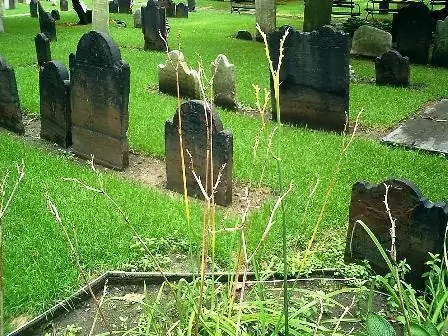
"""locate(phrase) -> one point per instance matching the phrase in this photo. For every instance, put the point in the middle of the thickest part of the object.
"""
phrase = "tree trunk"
(317, 14)
(265, 16)
(100, 18)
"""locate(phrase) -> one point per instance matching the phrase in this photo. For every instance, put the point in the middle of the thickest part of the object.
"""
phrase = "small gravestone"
(170, 7)
(55, 14)
(440, 51)
(181, 11)
(137, 18)
(191, 5)
(33, 9)
(224, 88)
(43, 50)
(419, 226)
(244, 35)
(370, 41)
(55, 113)
(113, 6)
(124, 6)
(198, 120)
(314, 77)
(63, 5)
(154, 27)
(188, 79)
(413, 29)
(47, 23)
(10, 113)
(392, 69)
(99, 101)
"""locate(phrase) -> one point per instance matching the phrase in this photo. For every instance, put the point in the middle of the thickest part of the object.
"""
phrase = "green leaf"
(417, 330)
(378, 326)
(431, 328)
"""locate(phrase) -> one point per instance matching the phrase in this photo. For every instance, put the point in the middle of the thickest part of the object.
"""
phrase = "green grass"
(38, 269)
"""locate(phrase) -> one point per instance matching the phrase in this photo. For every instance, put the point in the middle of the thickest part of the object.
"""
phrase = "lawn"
(39, 270)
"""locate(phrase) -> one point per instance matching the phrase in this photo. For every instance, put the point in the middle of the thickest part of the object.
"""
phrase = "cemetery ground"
(38, 270)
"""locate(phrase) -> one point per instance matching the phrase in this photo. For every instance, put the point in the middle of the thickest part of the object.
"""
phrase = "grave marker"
(47, 23)
(137, 18)
(392, 69)
(124, 6)
(195, 115)
(99, 101)
(63, 5)
(440, 51)
(181, 11)
(43, 50)
(154, 27)
(224, 88)
(170, 7)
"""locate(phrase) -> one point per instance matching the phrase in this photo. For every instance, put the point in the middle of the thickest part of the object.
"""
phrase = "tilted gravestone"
(55, 14)
(413, 32)
(33, 9)
(244, 35)
(314, 77)
(63, 5)
(10, 113)
(47, 23)
(113, 6)
(419, 226)
(137, 16)
(440, 50)
(170, 7)
(181, 11)
(175, 72)
(43, 51)
(99, 101)
(197, 117)
(224, 87)
(124, 6)
(392, 69)
(370, 41)
(154, 27)
(55, 115)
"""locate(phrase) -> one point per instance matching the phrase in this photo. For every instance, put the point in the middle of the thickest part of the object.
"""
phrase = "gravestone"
(55, 14)
(181, 11)
(124, 6)
(370, 41)
(137, 18)
(170, 7)
(413, 29)
(33, 9)
(55, 116)
(99, 101)
(191, 5)
(63, 5)
(392, 69)
(188, 79)
(314, 77)
(419, 226)
(316, 14)
(244, 35)
(224, 88)
(47, 23)
(197, 117)
(43, 50)
(154, 27)
(10, 113)
(113, 6)
(265, 17)
(440, 50)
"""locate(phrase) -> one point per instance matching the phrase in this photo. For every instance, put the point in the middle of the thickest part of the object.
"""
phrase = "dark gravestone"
(33, 9)
(10, 113)
(196, 115)
(170, 7)
(419, 226)
(244, 35)
(43, 50)
(12, 4)
(82, 16)
(113, 6)
(192, 5)
(181, 11)
(392, 69)
(99, 101)
(124, 6)
(413, 30)
(46, 23)
(154, 27)
(55, 113)
(55, 14)
(314, 77)
(63, 5)
(440, 50)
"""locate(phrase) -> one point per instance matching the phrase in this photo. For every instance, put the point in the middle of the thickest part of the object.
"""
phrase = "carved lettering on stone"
(137, 18)
(47, 23)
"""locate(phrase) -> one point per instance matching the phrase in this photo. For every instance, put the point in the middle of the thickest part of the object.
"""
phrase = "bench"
(348, 8)
(241, 5)
(384, 6)
(433, 3)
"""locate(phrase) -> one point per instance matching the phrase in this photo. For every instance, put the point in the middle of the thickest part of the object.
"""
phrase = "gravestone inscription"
(99, 101)
(43, 50)
(197, 117)
(154, 27)
(392, 69)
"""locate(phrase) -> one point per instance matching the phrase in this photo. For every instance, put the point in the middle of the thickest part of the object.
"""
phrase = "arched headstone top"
(57, 68)
(222, 60)
(98, 48)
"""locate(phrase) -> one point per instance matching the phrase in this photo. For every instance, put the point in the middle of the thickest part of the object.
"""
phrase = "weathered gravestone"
(47, 23)
(124, 6)
(370, 41)
(63, 5)
(113, 6)
(43, 51)
(137, 18)
(55, 115)
(175, 72)
(99, 101)
(170, 7)
(224, 88)
(33, 8)
(197, 117)
(419, 226)
(392, 69)
(10, 113)
(314, 77)
(154, 27)
(244, 35)
(440, 50)
(181, 11)
(413, 30)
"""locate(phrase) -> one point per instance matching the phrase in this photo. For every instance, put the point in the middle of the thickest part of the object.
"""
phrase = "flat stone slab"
(427, 131)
